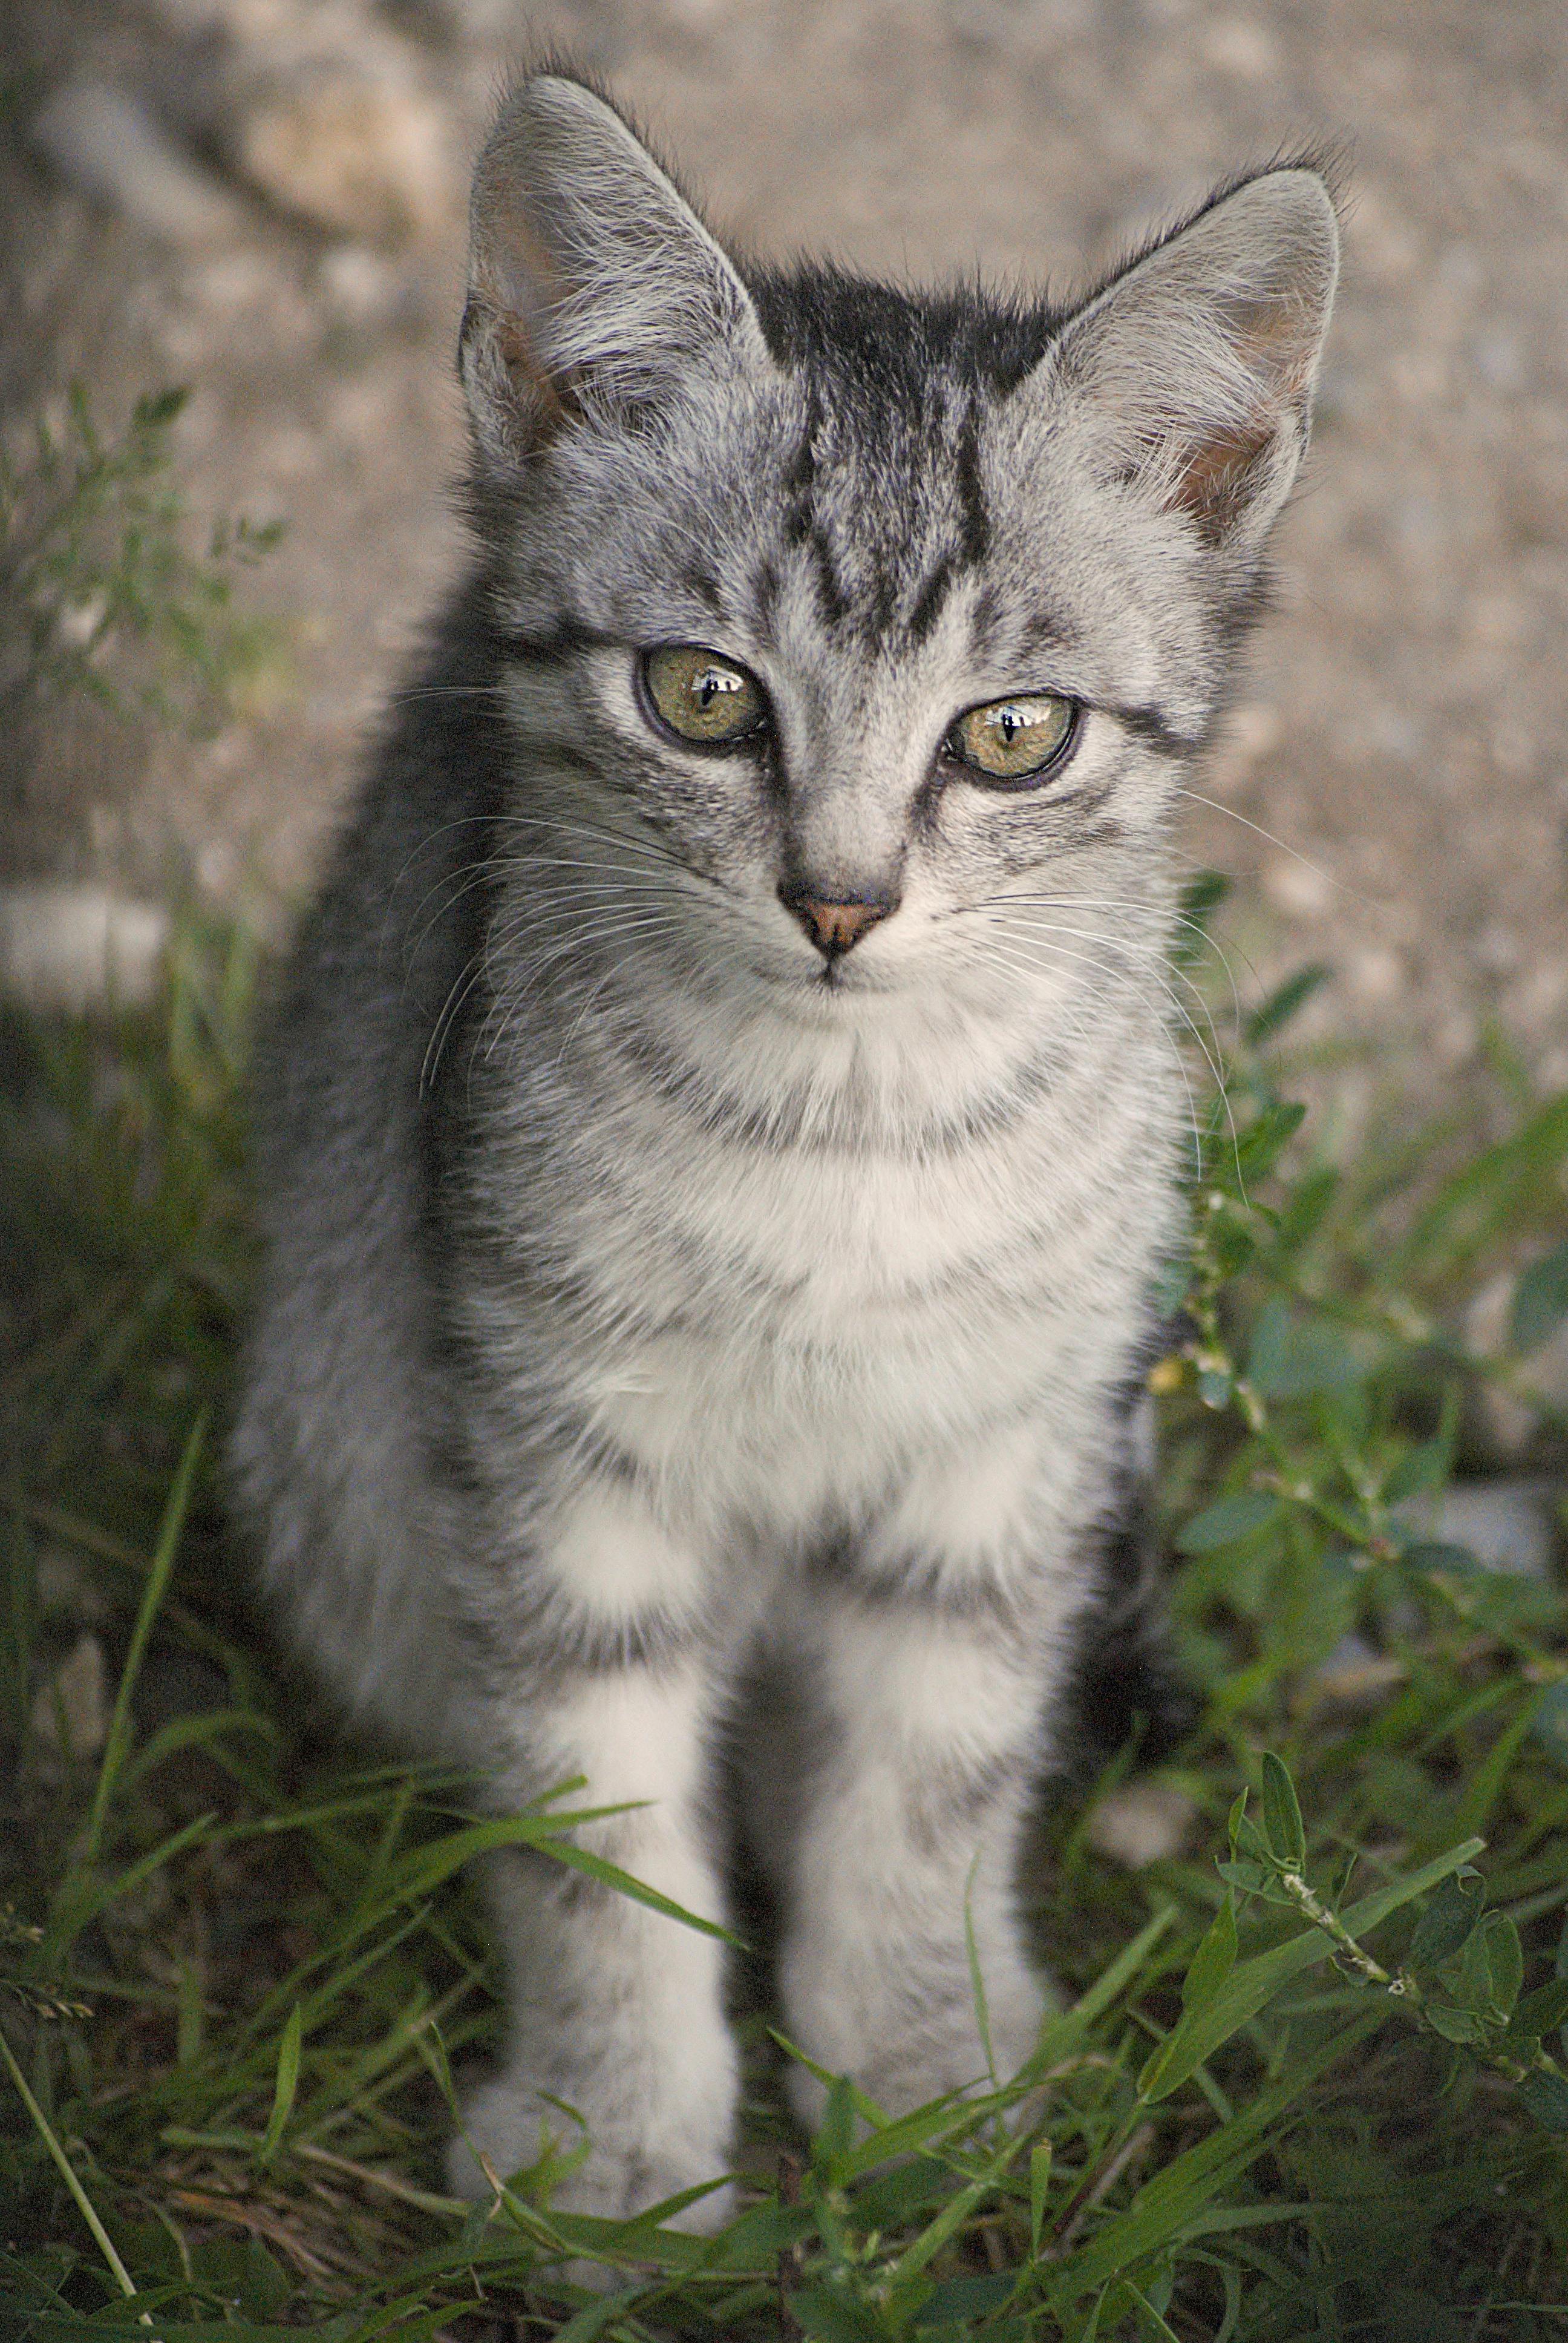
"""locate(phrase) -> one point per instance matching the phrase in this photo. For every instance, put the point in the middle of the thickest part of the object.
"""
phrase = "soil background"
(1403, 733)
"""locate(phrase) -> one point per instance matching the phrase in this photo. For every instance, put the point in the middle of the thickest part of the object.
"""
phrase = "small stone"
(361, 287)
(1298, 889)
(103, 142)
(349, 143)
(70, 1713)
(1354, 1675)
(1141, 1823)
(75, 948)
(1237, 47)
(1507, 1525)
(65, 1585)
(1376, 973)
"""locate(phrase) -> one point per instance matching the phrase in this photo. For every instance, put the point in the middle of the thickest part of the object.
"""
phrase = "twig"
(789, 2256)
(1098, 2184)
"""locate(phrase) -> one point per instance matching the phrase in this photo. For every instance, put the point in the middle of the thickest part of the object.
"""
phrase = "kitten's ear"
(1195, 368)
(591, 280)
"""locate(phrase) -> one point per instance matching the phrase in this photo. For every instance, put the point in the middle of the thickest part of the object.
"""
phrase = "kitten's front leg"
(923, 1680)
(614, 2010)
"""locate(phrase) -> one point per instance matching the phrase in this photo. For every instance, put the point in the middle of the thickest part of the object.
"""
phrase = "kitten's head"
(867, 619)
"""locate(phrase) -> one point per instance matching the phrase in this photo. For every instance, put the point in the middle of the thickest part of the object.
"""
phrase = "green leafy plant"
(1305, 2079)
(99, 595)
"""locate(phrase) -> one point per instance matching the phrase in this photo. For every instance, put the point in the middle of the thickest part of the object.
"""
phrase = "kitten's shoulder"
(377, 953)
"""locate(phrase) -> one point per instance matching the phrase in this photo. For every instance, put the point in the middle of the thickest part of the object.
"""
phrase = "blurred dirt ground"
(1404, 726)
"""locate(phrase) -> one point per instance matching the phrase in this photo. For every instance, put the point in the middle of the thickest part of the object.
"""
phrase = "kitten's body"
(650, 1288)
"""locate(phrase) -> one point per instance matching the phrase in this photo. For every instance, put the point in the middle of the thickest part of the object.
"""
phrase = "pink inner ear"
(528, 376)
(1217, 476)
(1213, 482)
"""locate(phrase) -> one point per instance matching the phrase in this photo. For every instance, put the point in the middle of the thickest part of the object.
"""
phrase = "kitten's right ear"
(592, 283)
(1194, 370)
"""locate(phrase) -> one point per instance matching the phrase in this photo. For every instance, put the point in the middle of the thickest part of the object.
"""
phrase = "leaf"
(1199, 898)
(1429, 1557)
(1296, 1358)
(1304, 1211)
(1472, 1985)
(1252, 1879)
(1486, 1196)
(592, 2319)
(1284, 1001)
(427, 1867)
(1540, 1300)
(1252, 1983)
(958, 2300)
(1546, 2096)
(1061, 2034)
(1505, 1958)
(1184, 2189)
(1549, 1725)
(1454, 2023)
(287, 2084)
(1213, 1960)
(1228, 1520)
(1420, 1470)
(1260, 1147)
(830, 2315)
(836, 2132)
(156, 409)
(1445, 1926)
(1282, 1815)
(899, 2281)
(1540, 2011)
(1038, 2183)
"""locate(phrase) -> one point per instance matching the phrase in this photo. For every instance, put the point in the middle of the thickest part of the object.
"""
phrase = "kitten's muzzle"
(836, 928)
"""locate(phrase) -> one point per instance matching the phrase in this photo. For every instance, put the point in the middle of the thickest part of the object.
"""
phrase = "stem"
(1403, 1985)
(83, 2202)
(1318, 1913)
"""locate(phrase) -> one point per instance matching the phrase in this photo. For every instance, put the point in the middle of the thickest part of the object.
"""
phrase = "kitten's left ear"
(1193, 372)
(592, 283)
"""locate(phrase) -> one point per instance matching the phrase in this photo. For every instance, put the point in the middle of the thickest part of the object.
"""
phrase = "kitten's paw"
(506, 2126)
(946, 2055)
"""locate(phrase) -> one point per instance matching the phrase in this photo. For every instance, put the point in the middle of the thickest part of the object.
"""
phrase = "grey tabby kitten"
(723, 1125)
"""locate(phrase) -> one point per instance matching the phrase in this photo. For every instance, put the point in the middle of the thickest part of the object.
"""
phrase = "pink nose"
(836, 928)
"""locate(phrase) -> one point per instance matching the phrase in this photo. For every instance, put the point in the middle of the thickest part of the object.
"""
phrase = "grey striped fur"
(669, 1339)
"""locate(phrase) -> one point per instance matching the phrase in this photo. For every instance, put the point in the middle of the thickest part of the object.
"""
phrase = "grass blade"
(83, 2202)
(118, 1740)
(286, 2086)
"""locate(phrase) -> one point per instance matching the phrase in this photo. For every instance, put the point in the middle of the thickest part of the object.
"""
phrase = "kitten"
(723, 1126)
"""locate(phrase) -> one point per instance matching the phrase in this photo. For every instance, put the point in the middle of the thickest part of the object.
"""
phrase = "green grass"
(1305, 2079)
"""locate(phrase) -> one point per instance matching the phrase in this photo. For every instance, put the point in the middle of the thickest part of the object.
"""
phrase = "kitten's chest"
(793, 1327)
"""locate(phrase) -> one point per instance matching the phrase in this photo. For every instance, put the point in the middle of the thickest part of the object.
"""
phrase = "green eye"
(1015, 739)
(707, 699)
